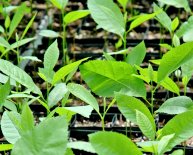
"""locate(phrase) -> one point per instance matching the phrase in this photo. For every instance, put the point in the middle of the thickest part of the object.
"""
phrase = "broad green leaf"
(7, 22)
(81, 145)
(174, 59)
(64, 71)
(137, 54)
(163, 18)
(123, 3)
(57, 94)
(4, 92)
(10, 105)
(107, 15)
(18, 75)
(108, 57)
(181, 125)
(4, 43)
(21, 10)
(69, 152)
(176, 105)
(175, 40)
(75, 15)
(106, 77)
(51, 56)
(49, 33)
(30, 23)
(145, 125)
(113, 143)
(50, 137)
(81, 110)
(149, 146)
(33, 58)
(163, 143)
(167, 46)
(8, 126)
(82, 93)
(61, 111)
(27, 119)
(60, 4)
(128, 106)
(142, 18)
(178, 4)
(21, 42)
(187, 69)
(178, 152)
(6, 147)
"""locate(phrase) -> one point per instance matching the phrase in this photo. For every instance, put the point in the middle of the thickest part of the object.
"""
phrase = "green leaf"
(9, 128)
(57, 94)
(137, 54)
(175, 23)
(21, 42)
(107, 15)
(60, 4)
(178, 152)
(81, 145)
(4, 43)
(82, 93)
(106, 77)
(30, 23)
(2, 29)
(4, 91)
(49, 33)
(49, 137)
(187, 69)
(64, 71)
(18, 75)
(33, 58)
(163, 18)
(113, 143)
(149, 146)
(146, 126)
(10, 105)
(123, 3)
(108, 57)
(21, 10)
(178, 4)
(69, 152)
(6, 147)
(176, 105)
(27, 119)
(181, 125)
(174, 59)
(128, 106)
(75, 15)
(7, 22)
(142, 18)
(163, 143)
(175, 41)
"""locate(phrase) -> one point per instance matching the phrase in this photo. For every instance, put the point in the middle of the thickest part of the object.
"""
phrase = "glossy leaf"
(75, 15)
(175, 23)
(128, 106)
(176, 105)
(81, 145)
(145, 125)
(106, 77)
(49, 137)
(174, 59)
(64, 71)
(137, 54)
(113, 143)
(181, 125)
(107, 15)
(178, 4)
(8, 126)
(82, 93)
(18, 75)
(49, 33)
(57, 94)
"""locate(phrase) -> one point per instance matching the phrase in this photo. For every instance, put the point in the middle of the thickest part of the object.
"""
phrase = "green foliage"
(113, 77)
(137, 54)
(52, 141)
(75, 15)
(123, 3)
(107, 15)
(4, 92)
(176, 105)
(174, 59)
(113, 143)
(49, 33)
(82, 93)
(60, 4)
